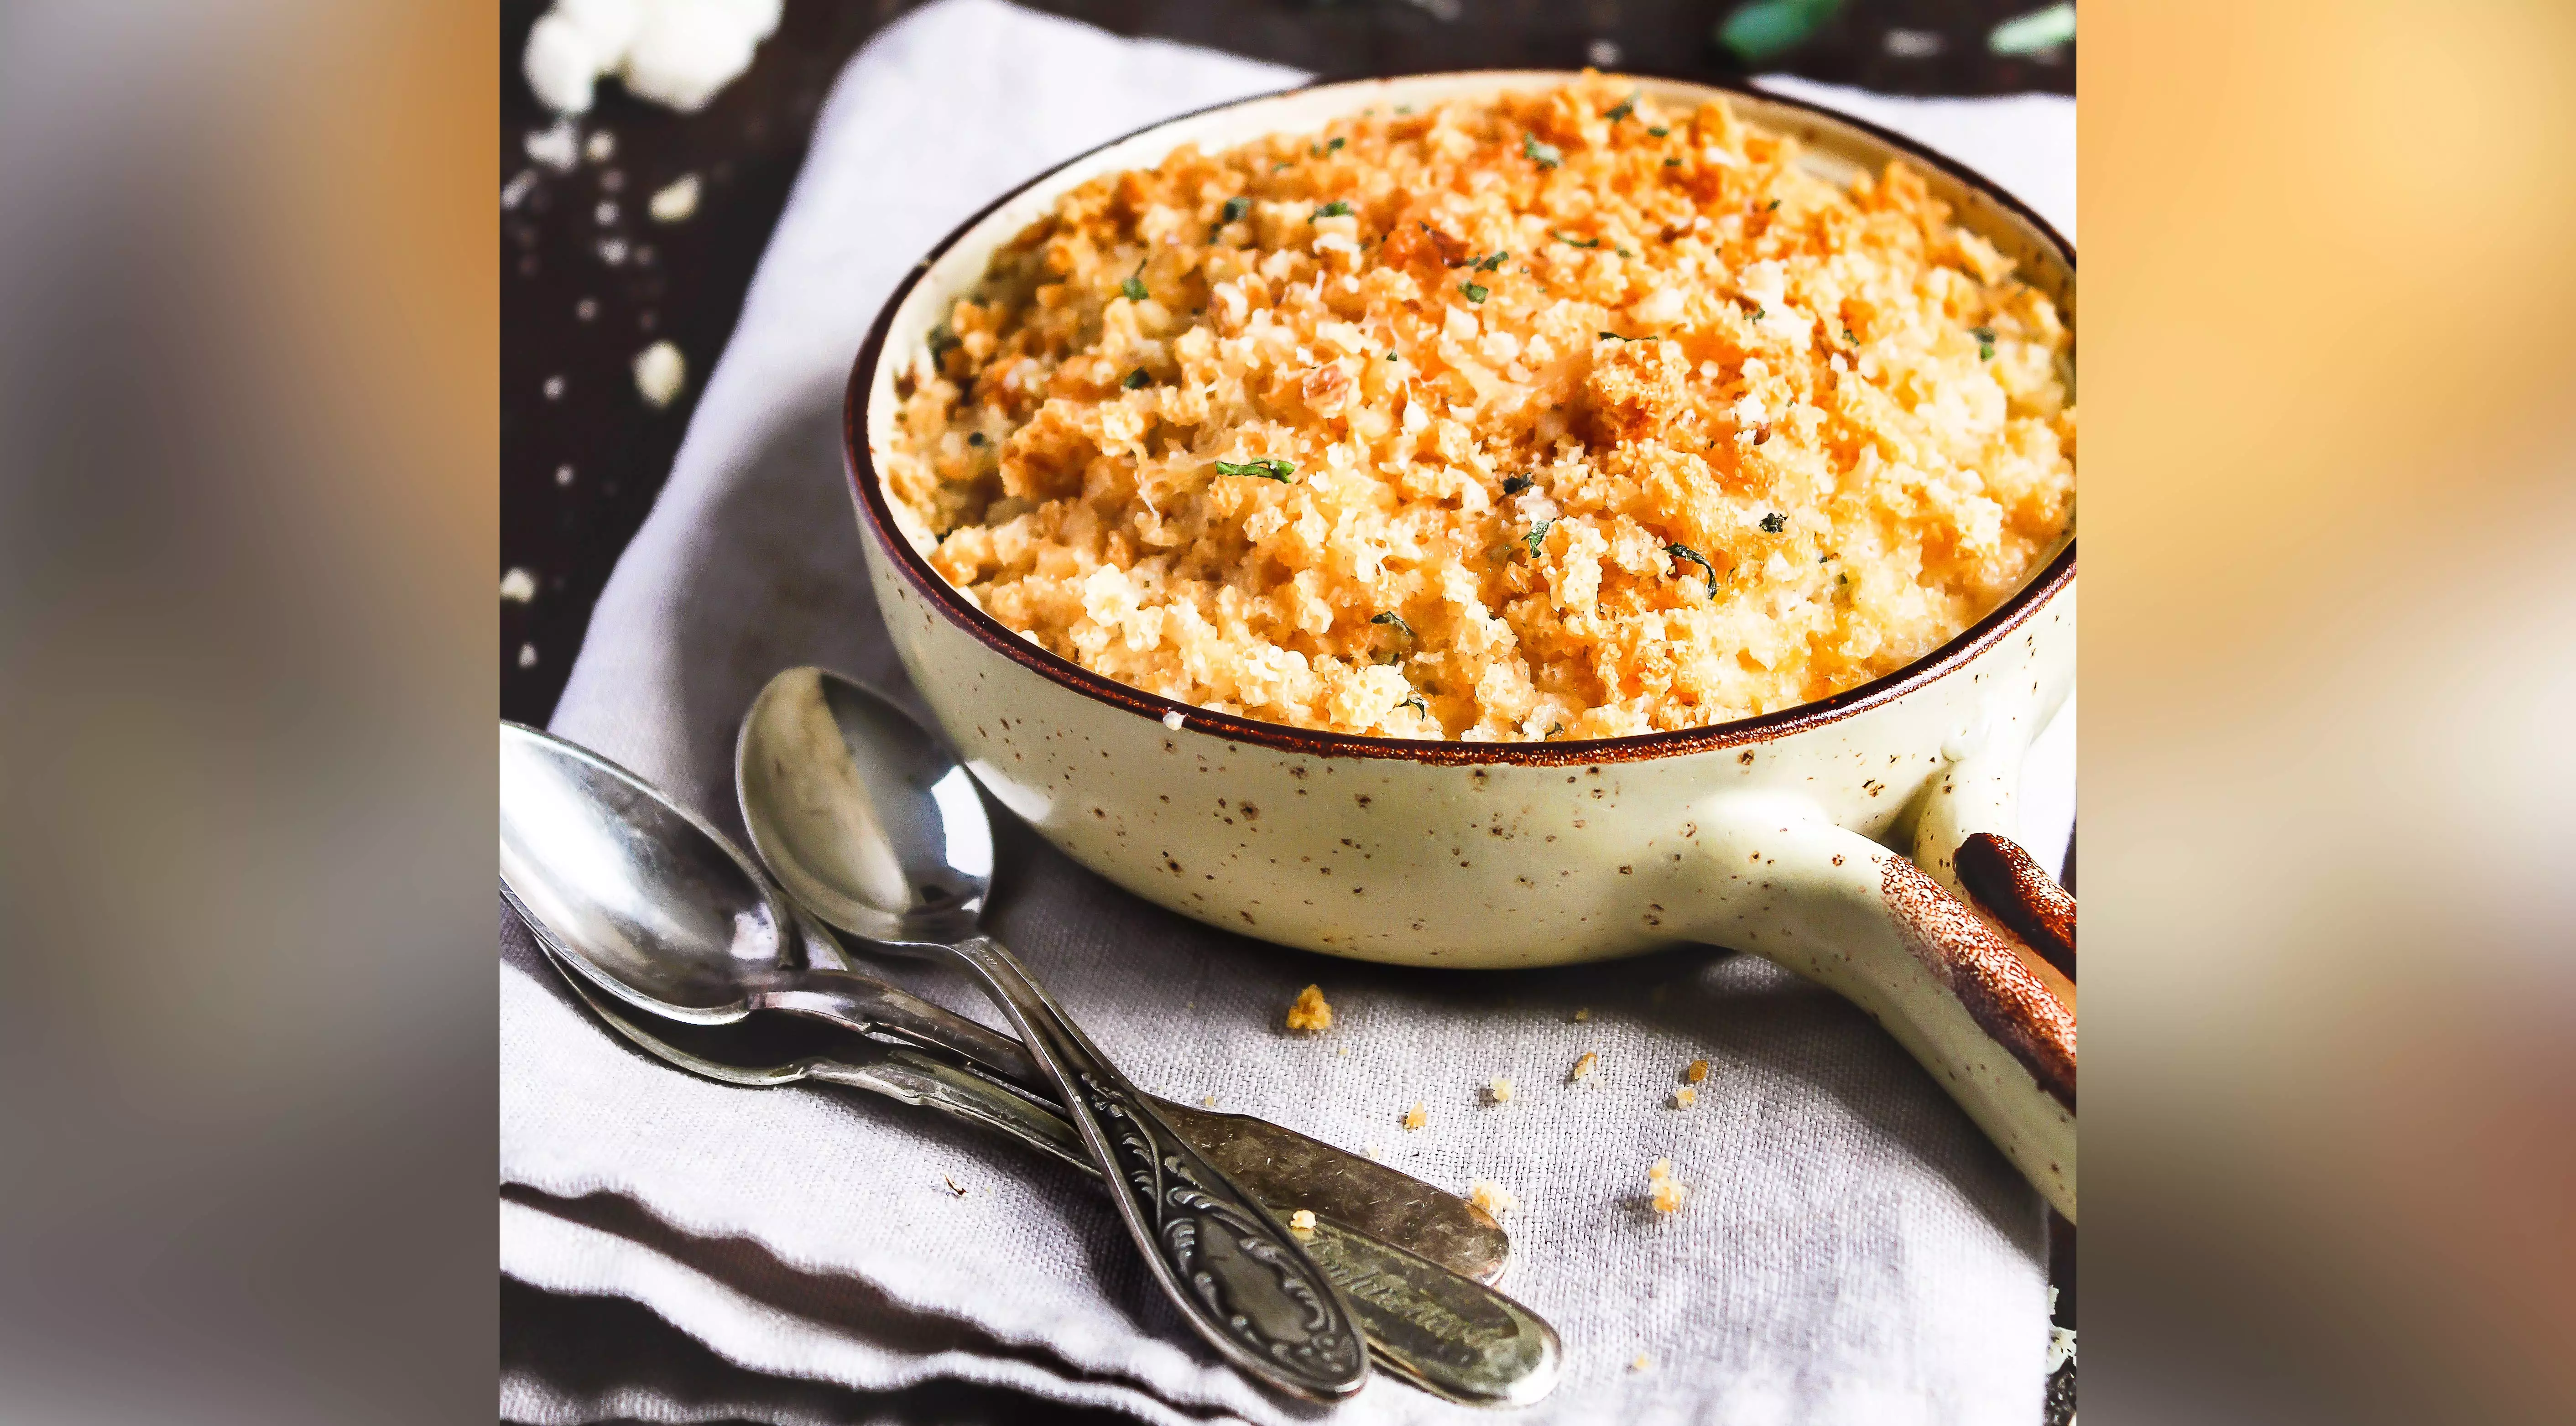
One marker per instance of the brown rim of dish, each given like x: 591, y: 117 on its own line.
x: 1287, y: 738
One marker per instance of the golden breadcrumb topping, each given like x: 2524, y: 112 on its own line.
x: 1552, y: 414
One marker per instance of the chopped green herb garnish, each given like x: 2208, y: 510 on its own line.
x: 1672, y: 163
x: 1414, y: 702
x: 1847, y: 336
x: 1335, y: 209
x: 1134, y: 286
x: 1758, y: 311
x: 1235, y: 208
x: 1685, y: 552
x: 1267, y: 468
x: 1544, y: 155
x: 1492, y: 262
x: 1553, y: 729
x: 1623, y: 252
x: 1615, y: 337
x: 974, y: 438
x: 1404, y: 108
x: 1774, y: 523
x: 941, y: 339
x: 1626, y: 107
x: 1842, y: 579
x: 1536, y: 539
x: 1576, y: 242
x: 1771, y: 207
x: 1474, y: 292
x: 1336, y: 143
x: 1659, y: 133
x: 1137, y: 378
x: 1394, y: 620
x: 1515, y: 484
x: 1985, y: 342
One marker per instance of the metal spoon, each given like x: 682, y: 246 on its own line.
x: 656, y: 908
x: 1433, y: 1327
x: 876, y: 827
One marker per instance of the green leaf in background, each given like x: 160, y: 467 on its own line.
x: 1768, y: 28
x: 2036, y: 31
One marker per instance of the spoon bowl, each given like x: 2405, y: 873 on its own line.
x: 647, y: 901
x: 865, y: 818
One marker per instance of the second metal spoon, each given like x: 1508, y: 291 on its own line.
x: 877, y: 829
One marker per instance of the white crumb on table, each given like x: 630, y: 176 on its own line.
x: 518, y: 586
x: 1173, y: 721
x: 660, y: 373
x: 675, y: 200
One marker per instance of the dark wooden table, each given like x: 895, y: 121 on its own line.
x: 589, y: 280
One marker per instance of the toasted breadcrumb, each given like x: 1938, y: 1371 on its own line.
x: 1675, y: 429
x: 1698, y: 1071
x: 1582, y: 1015
x: 1584, y: 1066
x: 1641, y: 1363
x: 1310, y: 1013
x: 1417, y: 1116
x: 1685, y: 1097
x: 1664, y: 1190
x: 1209, y: 1101
x: 1491, y: 1197
x: 1302, y: 1221
x: 1499, y: 1091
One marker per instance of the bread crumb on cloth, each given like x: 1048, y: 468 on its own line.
x: 1584, y: 1067
x: 1499, y: 1090
x: 1698, y: 1071
x: 1302, y: 1222
x: 1417, y: 1116
x: 1310, y: 1013
x: 1663, y: 1190
x: 1491, y: 1198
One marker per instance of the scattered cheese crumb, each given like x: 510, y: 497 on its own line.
x: 1698, y: 1071
x: 561, y: 63
x: 1584, y: 1066
x: 1685, y: 1097
x: 601, y: 148
x: 527, y: 656
x: 1376, y: 1154
x: 674, y: 52
x: 518, y: 586
x: 1417, y: 1116
x: 1500, y: 1091
x: 660, y: 373
x: 1662, y: 1189
x: 1491, y: 1198
x: 1173, y: 721
x: 1310, y: 1012
x: 675, y: 200
x: 1302, y: 1222
x: 1641, y: 1363
x: 1209, y: 1101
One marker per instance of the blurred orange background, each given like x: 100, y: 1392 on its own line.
x: 2329, y: 658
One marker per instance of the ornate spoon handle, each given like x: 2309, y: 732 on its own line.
x: 1241, y: 1280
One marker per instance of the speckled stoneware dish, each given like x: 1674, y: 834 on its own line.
x: 1787, y: 836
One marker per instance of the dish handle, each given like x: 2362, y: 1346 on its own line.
x: 1866, y: 922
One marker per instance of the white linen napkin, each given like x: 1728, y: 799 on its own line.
x: 1852, y: 1250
